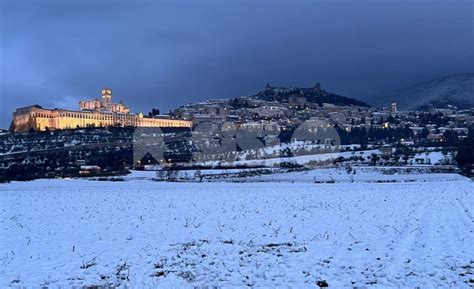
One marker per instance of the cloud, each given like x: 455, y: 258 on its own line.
x: 165, y: 54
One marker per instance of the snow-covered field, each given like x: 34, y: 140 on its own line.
x: 141, y: 234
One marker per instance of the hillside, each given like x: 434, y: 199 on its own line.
x: 312, y: 94
x: 457, y: 90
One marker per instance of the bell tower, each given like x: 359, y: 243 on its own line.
x: 107, y: 98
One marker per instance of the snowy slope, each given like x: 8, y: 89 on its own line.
x: 301, y: 159
x: 456, y: 90
x: 144, y: 234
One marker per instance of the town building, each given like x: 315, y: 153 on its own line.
x: 105, y: 104
x: 394, y: 107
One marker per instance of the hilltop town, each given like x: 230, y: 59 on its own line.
x: 277, y: 122
x: 278, y: 108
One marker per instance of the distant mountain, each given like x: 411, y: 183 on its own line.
x: 312, y: 94
x: 457, y: 90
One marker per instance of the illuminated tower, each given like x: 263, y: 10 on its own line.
x: 394, y: 107
x: 107, y: 98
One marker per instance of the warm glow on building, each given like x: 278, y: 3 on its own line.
x: 93, y: 113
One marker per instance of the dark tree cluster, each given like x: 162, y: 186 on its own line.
x: 154, y: 112
x: 60, y: 153
x: 363, y: 136
x: 465, y: 154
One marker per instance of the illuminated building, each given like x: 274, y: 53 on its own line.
x: 92, y: 113
x: 394, y: 107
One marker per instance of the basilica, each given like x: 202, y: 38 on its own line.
x: 92, y: 113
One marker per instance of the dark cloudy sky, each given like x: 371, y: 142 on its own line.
x: 168, y: 53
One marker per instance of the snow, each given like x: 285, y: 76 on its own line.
x: 302, y: 146
x: 301, y: 160
x: 362, y: 175
x: 454, y: 90
x: 433, y: 157
x: 142, y: 234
